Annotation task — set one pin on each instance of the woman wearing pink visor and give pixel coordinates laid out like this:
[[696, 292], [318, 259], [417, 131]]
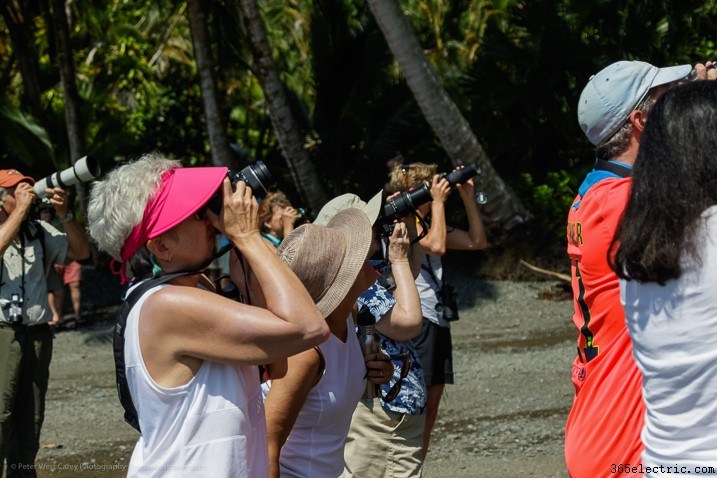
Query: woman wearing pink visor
[[190, 354]]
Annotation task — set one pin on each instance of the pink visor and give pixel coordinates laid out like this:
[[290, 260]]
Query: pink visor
[[182, 192]]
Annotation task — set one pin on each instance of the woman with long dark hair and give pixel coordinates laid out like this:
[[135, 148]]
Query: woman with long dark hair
[[666, 257]]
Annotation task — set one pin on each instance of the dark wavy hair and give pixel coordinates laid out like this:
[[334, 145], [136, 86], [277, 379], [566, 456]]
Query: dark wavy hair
[[674, 181]]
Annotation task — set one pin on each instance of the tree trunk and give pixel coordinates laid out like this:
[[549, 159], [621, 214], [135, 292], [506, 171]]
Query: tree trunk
[[21, 30], [221, 152], [446, 120], [75, 134], [287, 130]]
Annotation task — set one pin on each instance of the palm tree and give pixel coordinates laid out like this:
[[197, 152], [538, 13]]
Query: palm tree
[[75, 132], [446, 120], [216, 129], [286, 128], [19, 21]]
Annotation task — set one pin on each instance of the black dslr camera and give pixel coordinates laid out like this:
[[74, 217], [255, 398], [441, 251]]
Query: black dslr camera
[[256, 176]]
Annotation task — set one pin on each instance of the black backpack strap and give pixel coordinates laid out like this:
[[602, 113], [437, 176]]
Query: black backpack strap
[[130, 412], [615, 168]]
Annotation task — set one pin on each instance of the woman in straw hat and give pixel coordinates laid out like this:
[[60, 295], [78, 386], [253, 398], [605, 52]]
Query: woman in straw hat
[[386, 434], [190, 355], [309, 410]]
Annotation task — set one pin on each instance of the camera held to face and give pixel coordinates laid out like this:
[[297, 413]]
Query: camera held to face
[[256, 176], [14, 306]]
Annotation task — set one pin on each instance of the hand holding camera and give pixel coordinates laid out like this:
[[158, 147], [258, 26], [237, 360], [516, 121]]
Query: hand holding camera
[[57, 198], [440, 188], [238, 219], [288, 217], [25, 197], [399, 244]]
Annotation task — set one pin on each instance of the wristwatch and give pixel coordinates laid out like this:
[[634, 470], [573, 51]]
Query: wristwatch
[[69, 217]]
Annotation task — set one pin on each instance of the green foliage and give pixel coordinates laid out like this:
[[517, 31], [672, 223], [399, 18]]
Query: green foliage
[[515, 68], [550, 201]]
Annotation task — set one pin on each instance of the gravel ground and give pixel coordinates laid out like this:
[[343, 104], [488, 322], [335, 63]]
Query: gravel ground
[[504, 416]]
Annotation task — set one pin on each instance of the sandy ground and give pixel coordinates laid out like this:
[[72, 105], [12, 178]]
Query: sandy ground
[[504, 416]]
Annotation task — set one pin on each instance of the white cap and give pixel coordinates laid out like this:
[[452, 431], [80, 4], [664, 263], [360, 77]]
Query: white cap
[[611, 95]]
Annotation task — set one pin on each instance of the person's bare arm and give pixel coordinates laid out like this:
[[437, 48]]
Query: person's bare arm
[[475, 238], [78, 247], [190, 322], [404, 320], [434, 242], [24, 197], [285, 401]]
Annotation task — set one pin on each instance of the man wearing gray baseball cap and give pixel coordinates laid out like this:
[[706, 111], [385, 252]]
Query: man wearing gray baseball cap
[[602, 433]]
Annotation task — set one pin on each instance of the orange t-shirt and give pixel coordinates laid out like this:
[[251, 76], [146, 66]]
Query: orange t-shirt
[[604, 425]]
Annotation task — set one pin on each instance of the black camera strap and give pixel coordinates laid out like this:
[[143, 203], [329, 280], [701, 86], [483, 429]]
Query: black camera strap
[[615, 168], [125, 397], [429, 268]]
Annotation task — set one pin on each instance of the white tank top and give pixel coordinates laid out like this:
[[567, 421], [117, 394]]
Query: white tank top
[[212, 426], [315, 447]]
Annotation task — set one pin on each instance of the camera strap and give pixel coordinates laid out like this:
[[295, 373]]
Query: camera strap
[[612, 167], [125, 397], [429, 268]]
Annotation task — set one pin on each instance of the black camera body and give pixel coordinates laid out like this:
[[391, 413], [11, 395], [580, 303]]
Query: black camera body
[[256, 176], [448, 302]]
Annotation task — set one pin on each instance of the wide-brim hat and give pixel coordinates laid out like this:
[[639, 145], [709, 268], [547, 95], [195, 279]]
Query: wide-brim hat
[[345, 201], [11, 177], [612, 94], [327, 259]]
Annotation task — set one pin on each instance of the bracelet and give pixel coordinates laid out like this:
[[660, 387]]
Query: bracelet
[[69, 217]]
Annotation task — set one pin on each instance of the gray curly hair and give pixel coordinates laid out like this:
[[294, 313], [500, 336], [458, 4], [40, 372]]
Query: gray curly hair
[[117, 202]]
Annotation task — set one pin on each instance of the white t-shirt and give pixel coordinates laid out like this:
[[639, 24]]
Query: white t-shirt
[[428, 288], [674, 333], [212, 426], [315, 447]]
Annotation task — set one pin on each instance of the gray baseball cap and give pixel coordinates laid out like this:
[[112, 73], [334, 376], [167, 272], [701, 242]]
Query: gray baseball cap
[[612, 94]]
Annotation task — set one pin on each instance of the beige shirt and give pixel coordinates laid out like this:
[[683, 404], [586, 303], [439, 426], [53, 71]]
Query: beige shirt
[[28, 259]]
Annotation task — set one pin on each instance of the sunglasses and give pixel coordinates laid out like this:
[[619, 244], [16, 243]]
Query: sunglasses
[[201, 213], [396, 388], [405, 176]]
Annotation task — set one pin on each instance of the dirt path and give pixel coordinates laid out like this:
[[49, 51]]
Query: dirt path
[[504, 417]]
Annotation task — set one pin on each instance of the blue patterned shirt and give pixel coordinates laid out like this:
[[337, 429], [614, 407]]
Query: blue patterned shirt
[[412, 397]]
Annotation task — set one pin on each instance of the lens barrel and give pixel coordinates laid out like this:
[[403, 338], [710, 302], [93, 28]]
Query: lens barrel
[[256, 176]]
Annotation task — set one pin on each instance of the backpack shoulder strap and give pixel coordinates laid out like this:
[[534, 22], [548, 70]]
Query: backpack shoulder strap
[[130, 412]]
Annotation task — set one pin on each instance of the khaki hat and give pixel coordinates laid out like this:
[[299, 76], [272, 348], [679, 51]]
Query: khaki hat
[[11, 177], [345, 201], [327, 259]]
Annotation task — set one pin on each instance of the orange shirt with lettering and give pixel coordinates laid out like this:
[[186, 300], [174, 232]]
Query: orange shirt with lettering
[[606, 419]]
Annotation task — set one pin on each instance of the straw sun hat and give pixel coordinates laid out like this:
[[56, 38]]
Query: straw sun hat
[[327, 259]]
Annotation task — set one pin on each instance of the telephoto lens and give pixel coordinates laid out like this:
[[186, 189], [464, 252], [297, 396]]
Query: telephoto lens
[[459, 176], [256, 176], [406, 203]]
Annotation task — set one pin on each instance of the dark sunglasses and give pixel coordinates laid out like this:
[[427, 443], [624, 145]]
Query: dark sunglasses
[[201, 213], [396, 388]]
